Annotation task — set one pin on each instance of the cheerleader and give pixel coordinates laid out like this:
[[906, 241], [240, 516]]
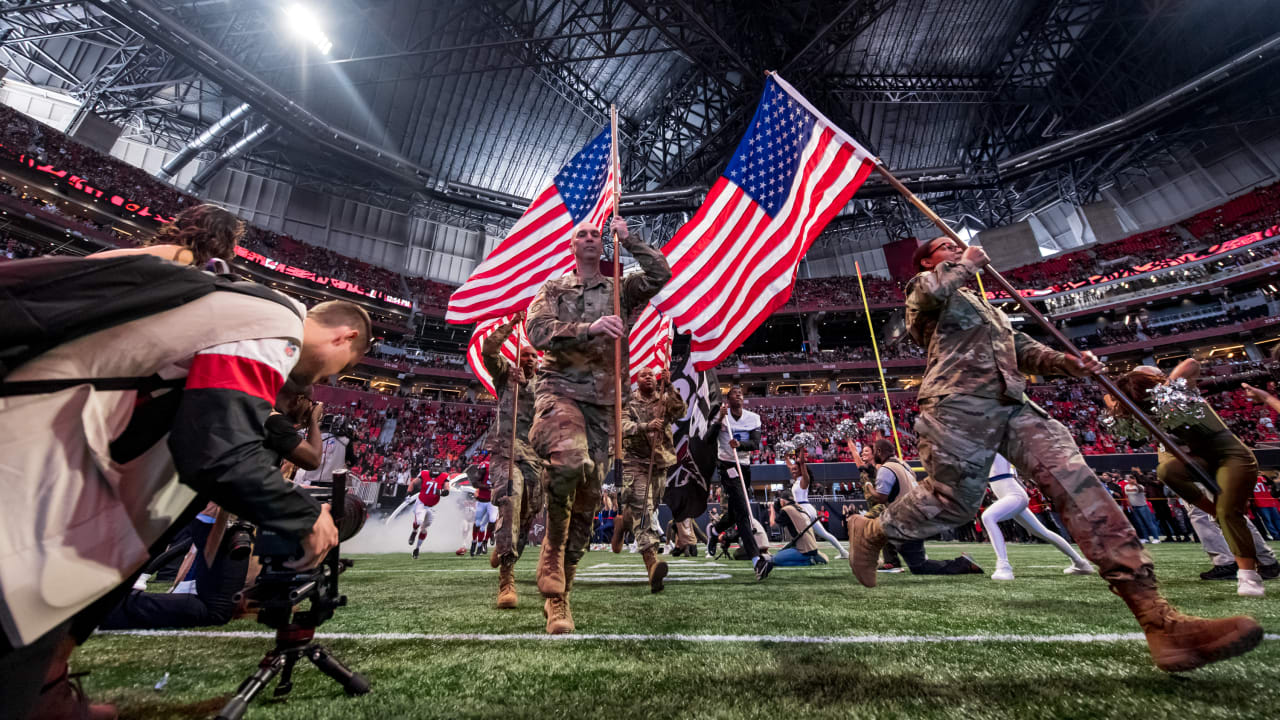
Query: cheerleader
[[800, 491], [1011, 504]]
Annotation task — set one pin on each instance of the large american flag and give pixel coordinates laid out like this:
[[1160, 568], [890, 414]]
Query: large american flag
[[735, 262], [649, 341], [537, 248], [510, 348]]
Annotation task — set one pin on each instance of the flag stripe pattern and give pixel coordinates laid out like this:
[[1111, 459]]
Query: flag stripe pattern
[[649, 341], [537, 248], [510, 349], [735, 262]]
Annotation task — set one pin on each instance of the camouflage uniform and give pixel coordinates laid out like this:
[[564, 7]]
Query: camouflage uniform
[[644, 466], [518, 498], [573, 411], [973, 405]]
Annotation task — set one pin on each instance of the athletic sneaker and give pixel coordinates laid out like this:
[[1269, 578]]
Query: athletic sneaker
[[1221, 572], [1085, 568], [710, 555], [1249, 584], [888, 568], [1004, 571], [974, 568], [764, 566], [412, 533], [415, 553], [1269, 572]]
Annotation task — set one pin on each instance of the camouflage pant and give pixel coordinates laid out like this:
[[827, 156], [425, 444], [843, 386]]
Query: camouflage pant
[[572, 438], [518, 501], [640, 495], [959, 436], [1235, 471]]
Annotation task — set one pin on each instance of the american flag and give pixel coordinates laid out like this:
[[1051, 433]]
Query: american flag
[[649, 341], [537, 248], [510, 348], [735, 262]]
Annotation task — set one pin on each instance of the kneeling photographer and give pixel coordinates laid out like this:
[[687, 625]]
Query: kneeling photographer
[[208, 592], [133, 386]]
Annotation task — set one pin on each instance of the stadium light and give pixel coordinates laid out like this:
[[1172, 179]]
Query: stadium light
[[306, 25]]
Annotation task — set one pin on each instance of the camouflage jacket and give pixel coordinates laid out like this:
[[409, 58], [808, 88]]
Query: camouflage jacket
[[972, 348], [637, 415], [575, 365], [506, 378]]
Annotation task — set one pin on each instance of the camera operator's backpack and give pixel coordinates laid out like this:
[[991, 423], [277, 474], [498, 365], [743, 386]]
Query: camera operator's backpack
[[47, 301]]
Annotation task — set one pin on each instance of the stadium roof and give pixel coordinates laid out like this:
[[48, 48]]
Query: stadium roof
[[472, 103]]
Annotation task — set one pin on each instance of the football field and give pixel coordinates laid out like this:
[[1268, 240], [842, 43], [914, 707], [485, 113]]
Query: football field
[[716, 644]]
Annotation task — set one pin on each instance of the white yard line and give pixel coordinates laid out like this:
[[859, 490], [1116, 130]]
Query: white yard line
[[673, 637]]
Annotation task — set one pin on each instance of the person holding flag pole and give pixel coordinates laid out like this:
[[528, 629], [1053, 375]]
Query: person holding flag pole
[[515, 469], [573, 320], [973, 404]]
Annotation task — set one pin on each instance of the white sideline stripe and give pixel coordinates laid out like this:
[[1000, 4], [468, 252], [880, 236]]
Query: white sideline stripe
[[676, 637]]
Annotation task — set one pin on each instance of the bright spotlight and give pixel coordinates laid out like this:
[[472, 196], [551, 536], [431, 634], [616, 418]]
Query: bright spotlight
[[304, 23]]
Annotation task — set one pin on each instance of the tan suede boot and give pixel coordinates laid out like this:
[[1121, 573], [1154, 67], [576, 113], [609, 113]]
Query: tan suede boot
[[1182, 642], [657, 570], [507, 597], [866, 539], [559, 619], [551, 560]]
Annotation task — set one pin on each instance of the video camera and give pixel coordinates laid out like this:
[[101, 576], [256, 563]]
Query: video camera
[[279, 589]]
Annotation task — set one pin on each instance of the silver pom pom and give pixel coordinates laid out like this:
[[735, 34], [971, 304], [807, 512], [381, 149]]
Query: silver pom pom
[[876, 419], [847, 429]]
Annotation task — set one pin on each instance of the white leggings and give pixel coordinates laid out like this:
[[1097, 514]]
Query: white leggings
[[1012, 503], [822, 532]]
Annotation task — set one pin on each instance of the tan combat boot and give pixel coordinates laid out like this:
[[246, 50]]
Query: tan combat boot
[[551, 560], [866, 539], [507, 598], [559, 619], [1182, 642], [657, 570], [494, 560]]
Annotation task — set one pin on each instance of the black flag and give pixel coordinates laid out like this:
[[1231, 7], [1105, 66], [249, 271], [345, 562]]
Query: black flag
[[689, 480]]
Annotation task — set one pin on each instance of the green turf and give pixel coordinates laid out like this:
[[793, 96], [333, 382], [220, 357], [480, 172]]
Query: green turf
[[680, 679]]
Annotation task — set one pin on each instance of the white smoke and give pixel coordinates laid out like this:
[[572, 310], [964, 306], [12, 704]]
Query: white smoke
[[450, 529]]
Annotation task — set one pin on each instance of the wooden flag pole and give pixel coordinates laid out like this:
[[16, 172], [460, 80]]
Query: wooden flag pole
[[875, 348], [617, 295], [515, 401], [1107, 383]]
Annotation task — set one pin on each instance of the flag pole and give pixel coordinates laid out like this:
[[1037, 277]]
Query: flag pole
[[617, 295], [1107, 383], [875, 348], [515, 402]]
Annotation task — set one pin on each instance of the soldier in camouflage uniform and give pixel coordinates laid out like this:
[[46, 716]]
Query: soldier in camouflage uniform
[[973, 405], [517, 490], [572, 321], [647, 452]]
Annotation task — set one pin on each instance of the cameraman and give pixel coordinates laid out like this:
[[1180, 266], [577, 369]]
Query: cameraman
[[803, 550], [91, 478], [218, 572], [335, 451]]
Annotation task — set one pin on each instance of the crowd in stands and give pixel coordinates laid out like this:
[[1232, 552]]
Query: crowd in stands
[[1119, 334], [1076, 403], [24, 135], [906, 348], [394, 440], [842, 291], [11, 248]]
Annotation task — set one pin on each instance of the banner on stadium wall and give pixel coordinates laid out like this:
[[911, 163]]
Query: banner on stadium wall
[[83, 185], [1153, 266], [304, 274]]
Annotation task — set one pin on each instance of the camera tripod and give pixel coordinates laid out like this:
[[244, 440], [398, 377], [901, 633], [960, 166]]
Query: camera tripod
[[293, 643]]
